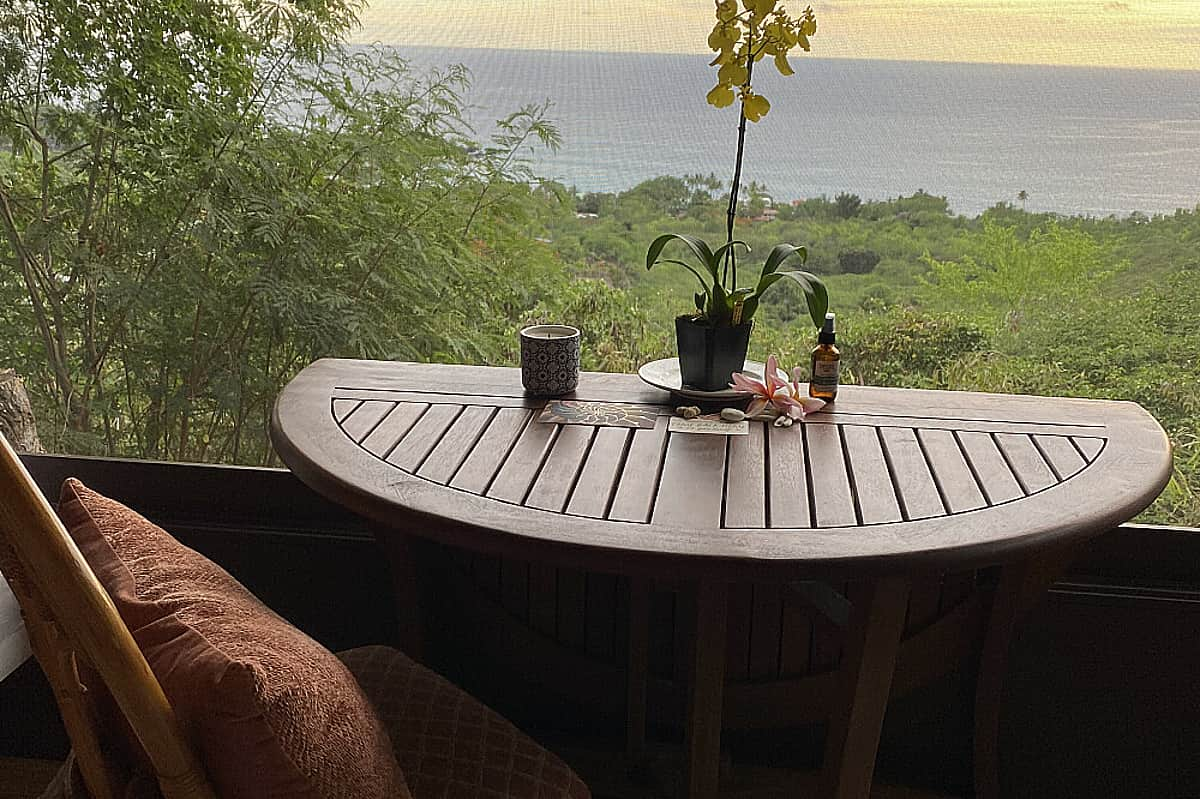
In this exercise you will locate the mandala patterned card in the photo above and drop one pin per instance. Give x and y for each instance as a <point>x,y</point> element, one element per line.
<point>598,414</point>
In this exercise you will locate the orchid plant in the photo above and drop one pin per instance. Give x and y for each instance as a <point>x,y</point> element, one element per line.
<point>744,34</point>
<point>779,396</point>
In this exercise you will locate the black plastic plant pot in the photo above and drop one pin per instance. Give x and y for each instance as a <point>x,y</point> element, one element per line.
<point>709,355</point>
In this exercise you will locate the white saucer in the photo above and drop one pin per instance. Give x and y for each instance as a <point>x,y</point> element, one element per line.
<point>664,374</point>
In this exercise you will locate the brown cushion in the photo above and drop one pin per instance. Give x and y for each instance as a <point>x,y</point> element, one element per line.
<point>271,712</point>
<point>450,745</point>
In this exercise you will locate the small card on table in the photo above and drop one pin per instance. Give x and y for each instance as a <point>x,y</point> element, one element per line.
<point>709,423</point>
<point>599,414</point>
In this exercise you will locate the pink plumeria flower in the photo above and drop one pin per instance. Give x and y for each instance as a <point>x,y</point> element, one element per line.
<point>763,392</point>
<point>800,405</point>
<point>786,399</point>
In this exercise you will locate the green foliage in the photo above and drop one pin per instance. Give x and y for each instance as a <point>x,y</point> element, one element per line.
<point>858,262</point>
<point>1006,279</point>
<point>848,205</point>
<point>906,347</point>
<point>183,241</point>
<point>618,335</point>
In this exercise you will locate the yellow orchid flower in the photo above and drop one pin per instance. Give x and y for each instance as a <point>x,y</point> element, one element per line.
<point>721,96</point>
<point>755,106</point>
<point>742,38</point>
<point>759,8</point>
<point>732,74</point>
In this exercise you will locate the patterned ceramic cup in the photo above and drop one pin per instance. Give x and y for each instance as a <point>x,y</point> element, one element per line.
<point>549,359</point>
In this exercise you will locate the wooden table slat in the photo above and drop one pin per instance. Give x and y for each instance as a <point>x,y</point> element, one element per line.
<point>984,425</point>
<point>872,480</point>
<point>957,482</point>
<point>692,480</point>
<point>480,467</point>
<point>787,478</point>
<point>915,487</point>
<point>832,496</point>
<point>638,481</point>
<point>363,419</point>
<point>344,407</point>
<point>524,462</point>
<point>1088,446</point>
<point>563,464</point>
<point>423,436</point>
<point>745,481</point>
<point>1061,455</point>
<point>383,439</point>
<point>457,444</point>
<point>598,480</point>
<point>996,478</point>
<point>1027,463</point>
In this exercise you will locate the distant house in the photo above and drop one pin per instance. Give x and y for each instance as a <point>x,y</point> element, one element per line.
<point>586,215</point>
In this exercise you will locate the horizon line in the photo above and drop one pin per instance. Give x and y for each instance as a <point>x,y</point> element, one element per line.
<point>873,59</point>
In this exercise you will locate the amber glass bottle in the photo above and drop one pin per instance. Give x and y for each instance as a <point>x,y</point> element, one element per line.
<point>826,363</point>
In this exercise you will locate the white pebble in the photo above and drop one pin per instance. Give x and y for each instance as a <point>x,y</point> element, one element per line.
<point>784,421</point>
<point>732,414</point>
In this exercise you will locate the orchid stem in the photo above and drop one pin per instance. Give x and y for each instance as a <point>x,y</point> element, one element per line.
<point>731,213</point>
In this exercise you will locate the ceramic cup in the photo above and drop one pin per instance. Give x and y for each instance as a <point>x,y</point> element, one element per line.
<point>549,359</point>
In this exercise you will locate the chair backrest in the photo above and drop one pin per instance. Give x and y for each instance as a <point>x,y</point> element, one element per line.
<point>72,622</point>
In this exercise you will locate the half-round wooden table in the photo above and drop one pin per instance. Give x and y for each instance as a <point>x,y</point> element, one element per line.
<point>882,487</point>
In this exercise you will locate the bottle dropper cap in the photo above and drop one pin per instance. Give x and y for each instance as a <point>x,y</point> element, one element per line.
<point>827,334</point>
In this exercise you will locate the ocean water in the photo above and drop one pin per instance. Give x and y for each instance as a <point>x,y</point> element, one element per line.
<point>1077,140</point>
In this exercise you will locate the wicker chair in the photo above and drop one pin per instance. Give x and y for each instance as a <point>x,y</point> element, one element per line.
<point>74,628</point>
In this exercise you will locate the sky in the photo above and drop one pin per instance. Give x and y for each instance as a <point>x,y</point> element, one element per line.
<point>1149,34</point>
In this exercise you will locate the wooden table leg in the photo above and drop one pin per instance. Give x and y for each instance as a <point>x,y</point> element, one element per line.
<point>1018,589</point>
<point>638,668</point>
<point>706,690</point>
<point>864,683</point>
<point>410,560</point>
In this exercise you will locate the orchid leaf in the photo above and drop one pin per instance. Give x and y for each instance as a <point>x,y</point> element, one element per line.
<point>749,307</point>
<point>721,311</point>
<point>815,294</point>
<point>690,268</point>
<point>780,253</point>
<point>719,254</point>
<point>699,248</point>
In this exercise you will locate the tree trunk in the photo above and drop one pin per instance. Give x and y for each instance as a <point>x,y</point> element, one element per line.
<point>16,415</point>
